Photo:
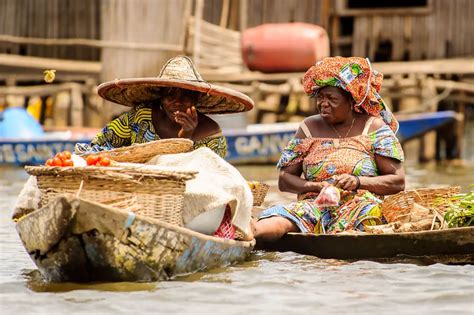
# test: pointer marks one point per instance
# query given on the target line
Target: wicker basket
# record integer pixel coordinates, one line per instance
(156, 193)
(143, 152)
(397, 207)
(429, 197)
(259, 191)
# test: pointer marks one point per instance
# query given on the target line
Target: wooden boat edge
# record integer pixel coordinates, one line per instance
(438, 245)
(176, 251)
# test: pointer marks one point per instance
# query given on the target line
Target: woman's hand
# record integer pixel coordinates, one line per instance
(188, 121)
(346, 182)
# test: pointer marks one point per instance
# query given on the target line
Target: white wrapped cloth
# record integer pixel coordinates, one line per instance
(217, 184)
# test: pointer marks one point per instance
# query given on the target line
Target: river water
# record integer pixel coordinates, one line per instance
(268, 283)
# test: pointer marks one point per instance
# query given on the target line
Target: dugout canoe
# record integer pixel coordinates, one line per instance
(451, 246)
(72, 239)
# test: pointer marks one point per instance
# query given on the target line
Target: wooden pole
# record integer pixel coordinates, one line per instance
(198, 12)
(224, 13)
(243, 16)
(125, 21)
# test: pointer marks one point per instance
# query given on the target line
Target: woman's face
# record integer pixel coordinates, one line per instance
(177, 100)
(333, 104)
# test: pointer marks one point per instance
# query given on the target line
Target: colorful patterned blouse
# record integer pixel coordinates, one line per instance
(323, 158)
(136, 126)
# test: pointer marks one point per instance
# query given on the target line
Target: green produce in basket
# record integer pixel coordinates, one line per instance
(460, 211)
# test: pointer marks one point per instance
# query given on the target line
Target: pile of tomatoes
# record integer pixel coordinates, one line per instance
(61, 159)
(65, 159)
(98, 159)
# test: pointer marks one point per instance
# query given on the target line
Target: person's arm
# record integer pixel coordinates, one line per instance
(388, 155)
(216, 143)
(115, 134)
(290, 180)
(209, 134)
(390, 181)
(188, 121)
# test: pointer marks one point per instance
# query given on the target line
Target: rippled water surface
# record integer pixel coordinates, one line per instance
(269, 283)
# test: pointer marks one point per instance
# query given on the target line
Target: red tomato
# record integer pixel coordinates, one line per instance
(68, 162)
(103, 155)
(49, 162)
(105, 161)
(92, 159)
(60, 156)
(67, 155)
(57, 162)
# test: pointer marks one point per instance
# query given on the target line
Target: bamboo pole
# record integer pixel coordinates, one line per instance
(90, 43)
(224, 13)
(243, 16)
(198, 12)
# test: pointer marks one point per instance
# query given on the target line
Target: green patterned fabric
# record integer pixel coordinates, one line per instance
(136, 126)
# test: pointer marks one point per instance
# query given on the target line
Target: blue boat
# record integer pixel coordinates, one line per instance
(263, 143)
(256, 143)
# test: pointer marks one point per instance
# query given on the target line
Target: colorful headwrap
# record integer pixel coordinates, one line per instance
(356, 76)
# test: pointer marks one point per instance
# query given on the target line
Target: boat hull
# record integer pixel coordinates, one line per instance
(72, 239)
(445, 246)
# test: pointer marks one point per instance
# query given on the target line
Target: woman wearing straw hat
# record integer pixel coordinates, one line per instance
(350, 145)
(172, 105)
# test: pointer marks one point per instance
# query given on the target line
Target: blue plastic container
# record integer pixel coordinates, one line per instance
(17, 123)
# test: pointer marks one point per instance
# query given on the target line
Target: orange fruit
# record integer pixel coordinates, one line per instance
(60, 156)
(57, 162)
(104, 161)
(68, 162)
(92, 159)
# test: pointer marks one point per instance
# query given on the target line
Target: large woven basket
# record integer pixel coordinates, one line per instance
(397, 207)
(156, 193)
(259, 192)
(143, 152)
(433, 197)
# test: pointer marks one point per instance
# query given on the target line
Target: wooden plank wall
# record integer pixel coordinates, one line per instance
(444, 33)
(51, 19)
(268, 11)
(144, 21)
(280, 11)
(219, 48)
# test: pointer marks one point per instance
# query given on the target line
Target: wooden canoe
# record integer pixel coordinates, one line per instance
(72, 239)
(451, 246)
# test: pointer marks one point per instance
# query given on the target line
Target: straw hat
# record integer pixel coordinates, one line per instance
(178, 72)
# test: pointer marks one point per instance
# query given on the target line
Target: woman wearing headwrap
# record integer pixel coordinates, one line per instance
(350, 144)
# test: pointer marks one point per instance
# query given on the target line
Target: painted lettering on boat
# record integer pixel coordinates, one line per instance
(29, 152)
(261, 144)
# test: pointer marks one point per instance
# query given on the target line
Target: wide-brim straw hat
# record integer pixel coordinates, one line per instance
(178, 72)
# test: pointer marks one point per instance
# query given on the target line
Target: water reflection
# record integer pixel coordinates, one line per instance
(269, 282)
(36, 283)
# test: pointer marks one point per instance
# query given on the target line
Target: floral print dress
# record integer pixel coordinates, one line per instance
(136, 126)
(323, 158)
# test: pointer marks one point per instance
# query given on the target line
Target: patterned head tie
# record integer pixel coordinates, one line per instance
(356, 76)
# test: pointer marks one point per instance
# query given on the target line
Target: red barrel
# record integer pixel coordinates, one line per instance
(284, 47)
